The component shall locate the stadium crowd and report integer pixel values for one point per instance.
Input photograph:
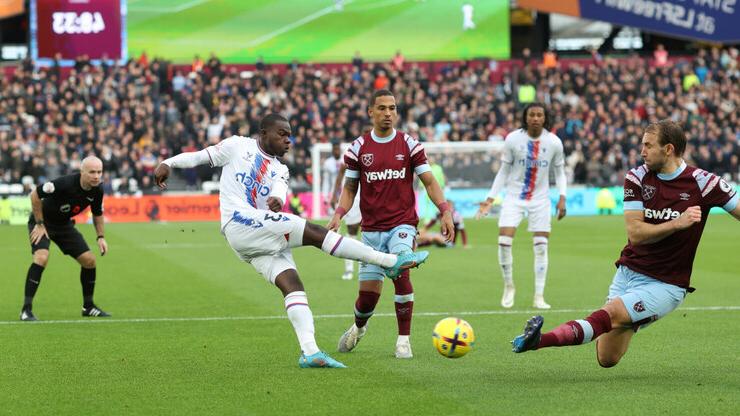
(134, 115)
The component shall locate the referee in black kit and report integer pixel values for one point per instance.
(54, 204)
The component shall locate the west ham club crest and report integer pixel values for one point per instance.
(648, 191)
(367, 159)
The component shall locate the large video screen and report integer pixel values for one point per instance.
(319, 30)
(78, 27)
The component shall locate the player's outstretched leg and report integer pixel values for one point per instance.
(576, 332)
(530, 339)
(319, 360)
(347, 248)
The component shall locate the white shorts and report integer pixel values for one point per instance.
(537, 212)
(353, 216)
(264, 238)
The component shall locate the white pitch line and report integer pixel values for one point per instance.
(291, 26)
(335, 316)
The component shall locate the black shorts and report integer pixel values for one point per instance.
(66, 236)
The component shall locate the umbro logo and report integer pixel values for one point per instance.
(89, 199)
(399, 157)
(684, 196)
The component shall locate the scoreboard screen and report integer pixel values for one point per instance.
(78, 27)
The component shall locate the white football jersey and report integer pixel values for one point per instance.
(248, 178)
(331, 169)
(531, 160)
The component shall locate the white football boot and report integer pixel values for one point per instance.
(403, 349)
(348, 341)
(539, 302)
(507, 300)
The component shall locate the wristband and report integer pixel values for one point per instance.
(39, 222)
(444, 207)
(341, 211)
(100, 236)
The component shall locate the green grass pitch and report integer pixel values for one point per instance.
(239, 31)
(194, 331)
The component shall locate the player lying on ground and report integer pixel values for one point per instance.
(666, 205)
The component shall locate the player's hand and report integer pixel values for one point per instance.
(38, 232)
(447, 227)
(275, 204)
(334, 223)
(485, 206)
(161, 173)
(333, 201)
(689, 217)
(561, 208)
(103, 246)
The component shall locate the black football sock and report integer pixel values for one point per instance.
(87, 279)
(33, 280)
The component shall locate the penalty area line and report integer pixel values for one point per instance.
(331, 316)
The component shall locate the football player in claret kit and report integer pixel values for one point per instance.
(529, 154)
(666, 205)
(382, 164)
(53, 206)
(253, 190)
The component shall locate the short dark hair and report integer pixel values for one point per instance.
(547, 124)
(380, 93)
(270, 120)
(669, 132)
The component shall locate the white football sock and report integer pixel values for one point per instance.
(349, 265)
(347, 248)
(506, 259)
(540, 264)
(296, 305)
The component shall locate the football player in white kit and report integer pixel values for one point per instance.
(253, 190)
(352, 219)
(329, 171)
(528, 156)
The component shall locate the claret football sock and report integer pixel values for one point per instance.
(404, 302)
(365, 306)
(576, 332)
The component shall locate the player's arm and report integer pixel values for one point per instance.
(438, 198)
(279, 192)
(217, 155)
(346, 199)
(39, 230)
(561, 181)
(99, 223)
(736, 212)
(183, 160)
(498, 184)
(641, 232)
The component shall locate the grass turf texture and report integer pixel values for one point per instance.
(245, 360)
(311, 30)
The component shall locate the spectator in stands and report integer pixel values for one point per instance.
(128, 113)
